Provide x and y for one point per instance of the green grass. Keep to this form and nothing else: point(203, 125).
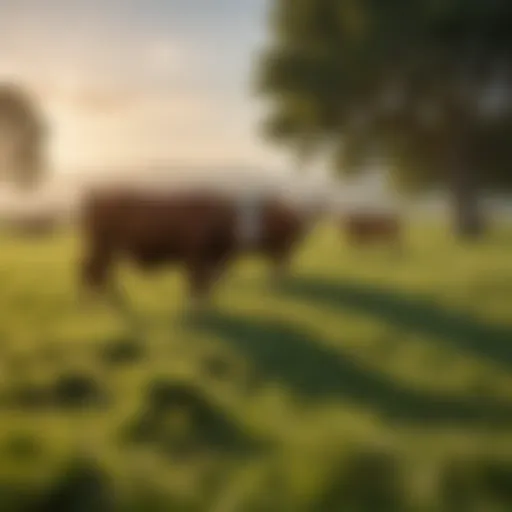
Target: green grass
point(366, 382)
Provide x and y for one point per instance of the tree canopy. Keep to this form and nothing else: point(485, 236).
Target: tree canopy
point(22, 136)
point(423, 83)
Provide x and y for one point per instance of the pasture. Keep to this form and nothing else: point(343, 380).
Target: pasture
point(367, 382)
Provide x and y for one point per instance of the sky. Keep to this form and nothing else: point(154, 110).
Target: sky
point(124, 82)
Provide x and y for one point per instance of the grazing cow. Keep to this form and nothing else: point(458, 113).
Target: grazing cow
point(202, 231)
point(367, 227)
point(273, 228)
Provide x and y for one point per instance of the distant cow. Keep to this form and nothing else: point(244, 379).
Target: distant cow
point(366, 227)
point(202, 231)
point(32, 226)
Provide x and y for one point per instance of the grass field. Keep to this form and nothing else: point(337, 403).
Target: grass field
point(366, 382)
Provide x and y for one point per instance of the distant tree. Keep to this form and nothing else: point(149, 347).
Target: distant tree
point(22, 137)
point(424, 84)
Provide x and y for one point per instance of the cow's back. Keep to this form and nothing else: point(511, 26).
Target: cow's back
point(157, 227)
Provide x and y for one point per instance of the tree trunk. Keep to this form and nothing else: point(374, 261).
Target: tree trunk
point(467, 214)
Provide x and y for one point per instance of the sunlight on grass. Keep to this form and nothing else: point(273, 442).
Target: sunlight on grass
point(359, 364)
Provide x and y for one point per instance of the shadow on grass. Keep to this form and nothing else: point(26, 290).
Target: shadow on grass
point(420, 315)
point(310, 369)
point(179, 419)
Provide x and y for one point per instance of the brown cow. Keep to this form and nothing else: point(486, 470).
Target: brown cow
point(367, 227)
point(202, 231)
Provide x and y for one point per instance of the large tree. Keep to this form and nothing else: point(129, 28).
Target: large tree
point(421, 83)
point(22, 137)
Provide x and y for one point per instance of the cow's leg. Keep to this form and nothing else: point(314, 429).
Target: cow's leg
point(281, 263)
point(95, 272)
point(201, 275)
point(217, 270)
point(97, 282)
point(118, 300)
